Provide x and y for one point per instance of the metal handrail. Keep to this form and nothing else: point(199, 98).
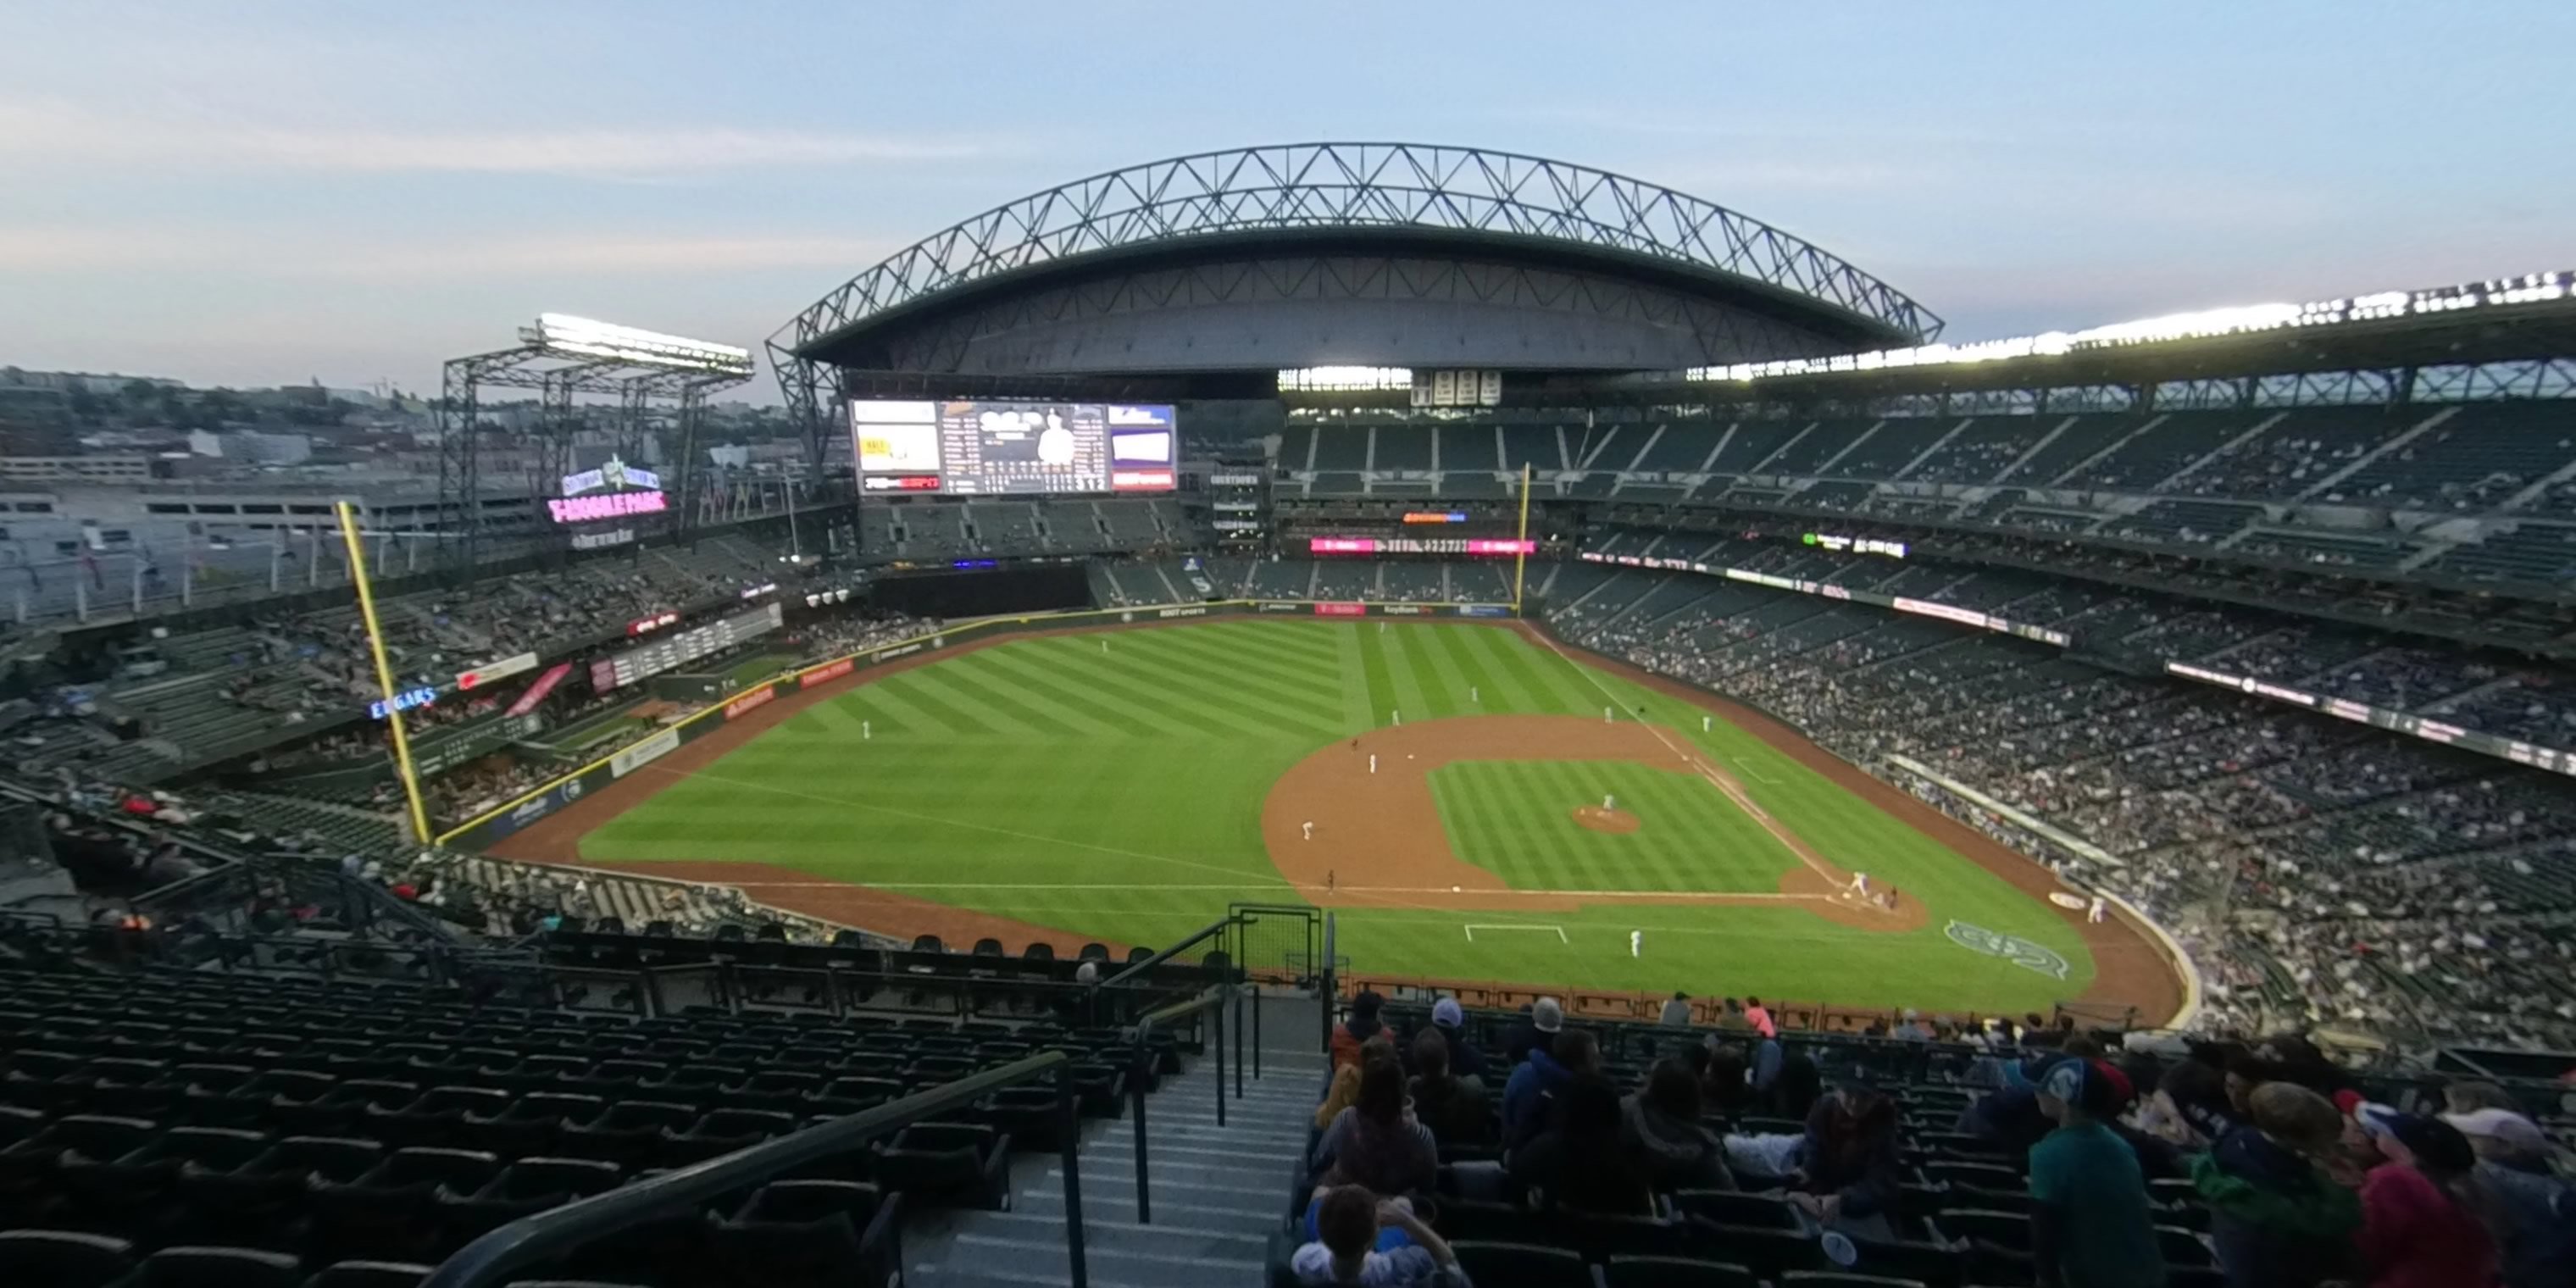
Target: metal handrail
point(1196, 937)
point(1213, 1000)
point(1330, 993)
point(546, 1235)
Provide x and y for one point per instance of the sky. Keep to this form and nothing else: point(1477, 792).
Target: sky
point(272, 192)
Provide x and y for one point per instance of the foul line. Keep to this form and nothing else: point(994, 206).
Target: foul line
point(1473, 927)
point(1754, 774)
point(1731, 792)
point(1728, 896)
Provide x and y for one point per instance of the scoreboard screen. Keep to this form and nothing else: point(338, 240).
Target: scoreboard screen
point(960, 448)
point(682, 647)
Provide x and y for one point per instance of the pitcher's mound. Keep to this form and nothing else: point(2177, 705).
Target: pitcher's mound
point(1605, 820)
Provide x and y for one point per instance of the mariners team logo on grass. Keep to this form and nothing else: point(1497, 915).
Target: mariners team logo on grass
point(2020, 952)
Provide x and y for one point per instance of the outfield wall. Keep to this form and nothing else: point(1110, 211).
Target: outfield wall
point(501, 821)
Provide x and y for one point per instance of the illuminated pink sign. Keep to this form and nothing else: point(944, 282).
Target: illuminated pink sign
point(582, 509)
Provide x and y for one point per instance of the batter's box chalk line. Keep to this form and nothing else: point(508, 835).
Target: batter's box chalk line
point(1472, 928)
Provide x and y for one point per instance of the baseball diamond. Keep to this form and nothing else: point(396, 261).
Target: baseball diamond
point(1037, 788)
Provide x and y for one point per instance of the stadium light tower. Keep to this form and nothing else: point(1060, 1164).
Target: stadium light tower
point(559, 356)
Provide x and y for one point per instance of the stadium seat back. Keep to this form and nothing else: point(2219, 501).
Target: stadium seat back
point(1521, 1265)
point(369, 1274)
point(1675, 1272)
point(63, 1259)
point(217, 1267)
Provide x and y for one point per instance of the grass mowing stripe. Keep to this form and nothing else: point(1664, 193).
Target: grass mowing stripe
point(1359, 709)
point(1295, 689)
point(1022, 666)
point(928, 720)
point(1209, 677)
point(958, 709)
point(1004, 683)
point(1295, 712)
point(971, 688)
point(1399, 671)
point(1383, 706)
point(1275, 641)
point(1429, 648)
point(1515, 656)
point(1482, 648)
point(1180, 702)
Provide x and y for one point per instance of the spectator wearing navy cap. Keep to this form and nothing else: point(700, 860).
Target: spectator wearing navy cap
point(2091, 1224)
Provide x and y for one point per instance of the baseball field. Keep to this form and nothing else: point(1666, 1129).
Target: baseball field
point(1472, 800)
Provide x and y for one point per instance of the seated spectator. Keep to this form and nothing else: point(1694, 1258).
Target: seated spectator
point(1677, 1012)
point(1345, 1089)
point(1375, 1142)
point(1454, 1108)
point(1579, 1162)
point(1848, 1164)
point(2190, 1108)
point(1795, 1085)
point(2091, 1224)
point(1759, 1016)
point(2424, 1211)
point(1661, 1128)
point(1539, 1079)
point(2278, 1218)
point(1726, 1086)
point(1465, 1059)
point(1361, 1239)
point(2533, 1209)
point(1732, 1019)
point(1360, 1027)
point(1538, 1026)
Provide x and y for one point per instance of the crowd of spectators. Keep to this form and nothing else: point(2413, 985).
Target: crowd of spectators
point(120, 843)
point(2317, 870)
point(2294, 1172)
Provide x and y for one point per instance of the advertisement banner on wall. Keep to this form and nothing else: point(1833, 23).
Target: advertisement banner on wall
point(524, 814)
point(1275, 606)
point(827, 672)
point(1341, 610)
point(752, 701)
point(1403, 610)
point(635, 757)
point(503, 669)
point(1484, 610)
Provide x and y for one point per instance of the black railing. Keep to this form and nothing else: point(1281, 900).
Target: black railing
point(1210, 1003)
point(551, 1235)
point(1328, 996)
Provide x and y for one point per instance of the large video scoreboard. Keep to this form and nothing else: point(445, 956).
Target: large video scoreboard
point(1013, 448)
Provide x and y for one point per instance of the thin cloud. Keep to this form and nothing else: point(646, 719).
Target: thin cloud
point(66, 249)
point(38, 132)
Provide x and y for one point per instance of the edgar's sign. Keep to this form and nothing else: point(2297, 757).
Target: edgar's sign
point(2020, 952)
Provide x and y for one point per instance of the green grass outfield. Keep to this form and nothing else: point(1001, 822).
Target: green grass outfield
point(1115, 790)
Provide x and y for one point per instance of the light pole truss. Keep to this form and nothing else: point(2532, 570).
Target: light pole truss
point(636, 383)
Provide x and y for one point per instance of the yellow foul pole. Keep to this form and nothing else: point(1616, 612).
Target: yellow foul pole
point(1520, 559)
point(384, 669)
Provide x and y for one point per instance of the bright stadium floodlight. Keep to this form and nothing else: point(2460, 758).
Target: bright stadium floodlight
point(564, 333)
point(1345, 379)
point(2244, 319)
